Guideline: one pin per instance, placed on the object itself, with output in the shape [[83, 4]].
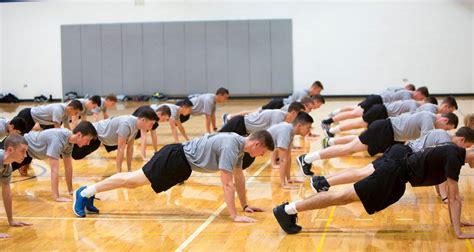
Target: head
[[16, 126], [222, 94], [74, 107], [147, 117], [110, 101], [302, 124], [470, 157], [258, 142], [432, 100], [469, 120], [93, 102], [464, 137], [15, 147], [84, 133], [448, 105], [163, 113], [318, 101], [410, 87], [421, 93], [446, 121], [293, 110], [307, 103], [186, 106], [316, 88]]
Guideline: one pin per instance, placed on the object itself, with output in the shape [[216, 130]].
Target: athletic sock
[[335, 130], [89, 191], [328, 121], [291, 208], [337, 111], [331, 141], [311, 157]]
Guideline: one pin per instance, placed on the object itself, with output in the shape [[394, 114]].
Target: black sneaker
[[287, 222], [327, 133], [304, 167], [319, 184], [325, 126]]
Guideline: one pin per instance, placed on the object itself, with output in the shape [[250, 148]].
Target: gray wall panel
[[71, 58], [132, 51], [195, 48], [174, 49], [112, 59], [91, 59], [153, 58], [260, 57], [238, 62], [282, 57], [216, 55]]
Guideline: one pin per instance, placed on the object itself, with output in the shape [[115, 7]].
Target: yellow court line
[[468, 243], [328, 222]]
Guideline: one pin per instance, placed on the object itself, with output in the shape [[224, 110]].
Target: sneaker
[[287, 222], [224, 118], [327, 133], [90, 206], [79, 203], [319, 184], [332, 114], [325, 142], [304, 167], [325, 126]]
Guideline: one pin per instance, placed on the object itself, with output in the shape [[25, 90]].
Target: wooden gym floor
[[193, 216]]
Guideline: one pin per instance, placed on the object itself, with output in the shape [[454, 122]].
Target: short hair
[[185, 103], [451, 101], [111, 97], [303, 118], [318, 98], [452, 119], [424, 91], [318, 84], [410, 87], [147, 112], [467, 133], [222, 91], [86, 129], [431, 99], [18, 124], [306, 100], [296, 106], [469, 120], [264, 138], [14, 140], [76, 105], [164, 110], [96, 100]]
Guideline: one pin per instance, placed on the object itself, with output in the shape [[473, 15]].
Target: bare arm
[[181, 129], [173, 130], [229, 196], [154, 140], [143, 143], [213, 121], [68, 173], [54, 163], [284, 175], [129, 154], [7, 203], [239, 181], [106, 115], [455, 209], [122, 141], [208, 123]]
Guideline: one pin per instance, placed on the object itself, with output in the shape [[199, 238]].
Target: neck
[[6, 159]]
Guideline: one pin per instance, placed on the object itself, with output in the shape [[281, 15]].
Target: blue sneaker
[[79, 203], [90, 206]]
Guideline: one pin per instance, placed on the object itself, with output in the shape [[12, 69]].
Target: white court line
[[404, 219], [213, 216], [364, 219], [105, 219]]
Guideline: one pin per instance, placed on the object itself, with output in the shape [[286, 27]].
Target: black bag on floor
[[9, 98]]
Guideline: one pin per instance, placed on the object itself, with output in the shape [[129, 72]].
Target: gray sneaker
[[224, 118]]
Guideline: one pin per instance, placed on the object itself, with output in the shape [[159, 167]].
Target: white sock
[[89, 191], [331, 141], [311, 157], [335, 130], [337, 111], [291, 208], [228, 117]]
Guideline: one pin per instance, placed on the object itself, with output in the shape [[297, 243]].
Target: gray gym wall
[[249, 57]]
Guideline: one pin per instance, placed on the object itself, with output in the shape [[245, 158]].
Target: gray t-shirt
[[296, 96], [411, 126], [390, 96], [399, 107], [49, 143], [430, 107], [204, 104], [285, 108], [263, 119], [110, 129], [282, 135], [50, 114], [212, 152], [99, 109], [174, 109], [3, 127], [5, 170], [432, 138]]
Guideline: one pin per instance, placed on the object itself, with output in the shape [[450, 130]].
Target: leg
[[343, 140], [327, 199], [356, 124], [349, 175], [123, 180], [342, 150], [357, 112]]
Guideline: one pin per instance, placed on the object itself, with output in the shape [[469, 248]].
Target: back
[[411, 126], [204, 104], [49, 143], [399, 107], [262, 120], [110, 129]]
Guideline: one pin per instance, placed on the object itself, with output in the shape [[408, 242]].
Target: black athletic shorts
[[167, 168], [236, 124], [45, 127], [25, 114], [396, 151], [276, 103], [383, 187], [378, 136], [370, 101], [139, 133], [81, 152], [25, 161], [184, 118], [376, 112]]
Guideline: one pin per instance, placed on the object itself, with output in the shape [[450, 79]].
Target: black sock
[[328, 121]]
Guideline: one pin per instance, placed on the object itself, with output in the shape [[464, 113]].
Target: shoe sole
[[312, 187], [74, 204], [288, 232], [300, 165]]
